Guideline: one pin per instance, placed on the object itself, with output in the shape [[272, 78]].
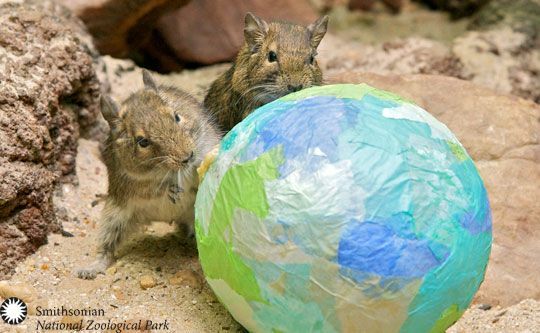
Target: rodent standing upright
[[277, 58], [158, 137]]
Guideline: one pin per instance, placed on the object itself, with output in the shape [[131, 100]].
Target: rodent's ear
[[317, 30], [148, 80], [109, 109], [255, 30]]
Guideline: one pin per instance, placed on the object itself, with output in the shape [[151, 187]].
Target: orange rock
[[186, 277], [147, 281], [208, 31]]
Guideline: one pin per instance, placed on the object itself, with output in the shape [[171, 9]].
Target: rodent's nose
[[293, 88], [189, 159]]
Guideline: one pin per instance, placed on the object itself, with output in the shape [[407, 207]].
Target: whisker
[[163, 180]]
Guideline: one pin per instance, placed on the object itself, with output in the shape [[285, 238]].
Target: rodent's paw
[[175, 192], [89, 273], [207, 162], [97, 267]]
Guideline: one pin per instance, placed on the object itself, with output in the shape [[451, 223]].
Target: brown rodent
[[158, 137], [277, 58]]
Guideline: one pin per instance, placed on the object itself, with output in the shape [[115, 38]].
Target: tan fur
[[253, 80], [154, 183]]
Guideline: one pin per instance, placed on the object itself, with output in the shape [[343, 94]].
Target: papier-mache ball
[[343, 208]]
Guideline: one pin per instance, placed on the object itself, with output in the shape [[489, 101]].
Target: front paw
[[90, 272], [207, 162], [175, 192]]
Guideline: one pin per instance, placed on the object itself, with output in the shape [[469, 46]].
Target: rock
[[21, 291], [505, 57], [522, 317], [119, 292], [110, 271], [361, 4], [207, 32], [502, 135], [504, 54], [123, 77], [502, 59], [456, 8], [24, 292], [522, 15], [394, 5], [119, 27], [323, 6], [401, 56], [485, 307], [146, 282], [120, 76], [186, 277], [49, 95]]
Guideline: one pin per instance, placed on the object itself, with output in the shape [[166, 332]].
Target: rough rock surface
[[503, 51], [48, 95], [121, 77], [402, 56], [207, 31], [523, 317], [503, 59], [502, 135]]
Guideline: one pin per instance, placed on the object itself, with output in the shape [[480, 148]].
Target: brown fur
[[253, 80], [155, 181]]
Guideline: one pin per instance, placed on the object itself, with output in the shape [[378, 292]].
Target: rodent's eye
[[272, 56], [143, 142], [311, 59], [177, 118]]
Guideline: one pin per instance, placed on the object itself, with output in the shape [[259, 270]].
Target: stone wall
[[49, 94]]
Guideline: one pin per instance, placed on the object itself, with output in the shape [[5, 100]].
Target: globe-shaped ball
[[343, 208]]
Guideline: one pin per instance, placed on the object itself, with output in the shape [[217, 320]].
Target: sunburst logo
[[13, 311]]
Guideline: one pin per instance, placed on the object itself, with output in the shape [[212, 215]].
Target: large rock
[[401, 56], [209, 31], [121, 28], [48, 95], [502, 135], [503, 50], [503, 59]]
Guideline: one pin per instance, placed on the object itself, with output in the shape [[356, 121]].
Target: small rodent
[[276, 59], [158, 137]]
